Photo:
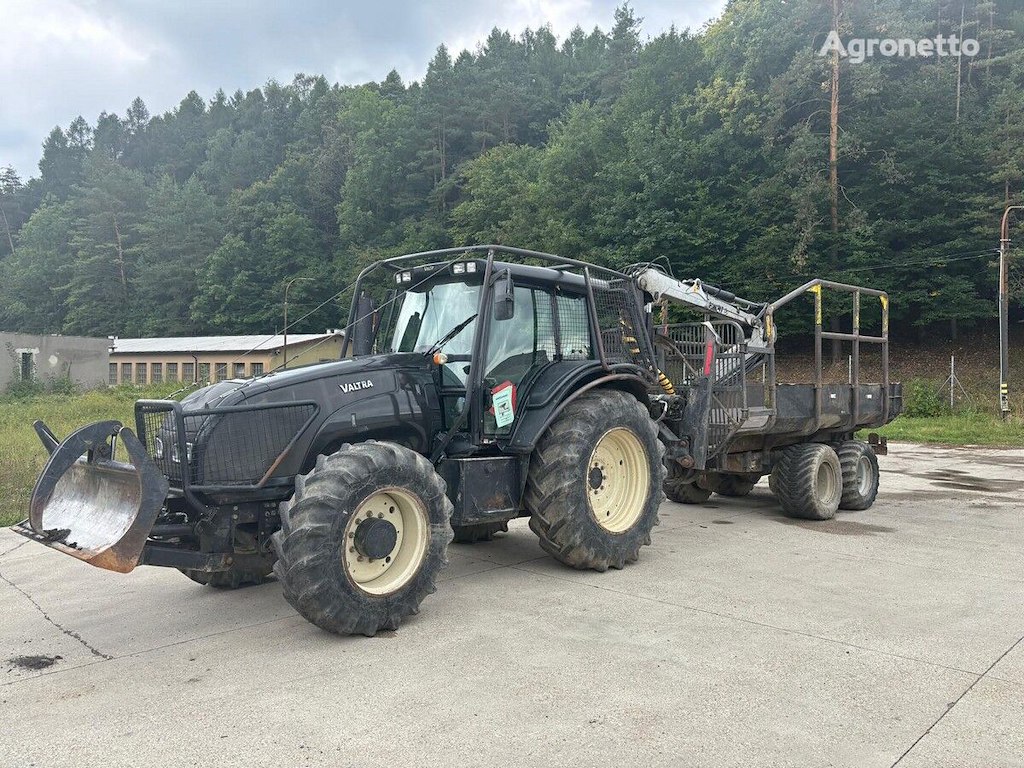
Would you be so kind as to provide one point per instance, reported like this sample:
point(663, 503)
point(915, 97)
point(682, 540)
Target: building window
point(222, 371)
point(188, 372)
point(27, 366)
point(126, 373)
point(172, 371)
point(156, 376)
point(204, 373)
point(112, 373)
point(239, 372)
point(255, 369)
point(140, 373)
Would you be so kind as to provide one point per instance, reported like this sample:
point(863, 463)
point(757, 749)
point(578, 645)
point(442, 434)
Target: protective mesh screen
point(221, 448)
point(623, 335)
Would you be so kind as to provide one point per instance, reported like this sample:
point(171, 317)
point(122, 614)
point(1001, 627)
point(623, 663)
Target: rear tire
point(595, 480)
point(860, 474)
point(809, 481)
point(471, 534)
point(734, 485)
point(402, 539)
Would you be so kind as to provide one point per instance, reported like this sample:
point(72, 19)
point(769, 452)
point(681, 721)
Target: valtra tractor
point(490, 383)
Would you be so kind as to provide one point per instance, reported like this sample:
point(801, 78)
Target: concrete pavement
point(892, 636)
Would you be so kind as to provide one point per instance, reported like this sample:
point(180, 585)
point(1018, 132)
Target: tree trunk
point(960, 63)
point(120, 258)
point(7, 230)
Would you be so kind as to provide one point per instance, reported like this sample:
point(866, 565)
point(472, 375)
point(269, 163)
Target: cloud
point(66, 58)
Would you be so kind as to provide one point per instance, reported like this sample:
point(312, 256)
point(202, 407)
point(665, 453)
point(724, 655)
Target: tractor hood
point(385, 397)
point(349, 376)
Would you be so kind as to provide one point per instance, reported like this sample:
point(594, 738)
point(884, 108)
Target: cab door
point(546, 327)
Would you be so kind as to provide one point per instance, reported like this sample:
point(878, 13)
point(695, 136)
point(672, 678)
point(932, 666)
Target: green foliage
point(958, 429)
point(923, 398)
point(709, 149)
point(23, 456)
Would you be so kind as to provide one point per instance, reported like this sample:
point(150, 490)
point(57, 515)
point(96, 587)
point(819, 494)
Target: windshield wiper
point(436, 347)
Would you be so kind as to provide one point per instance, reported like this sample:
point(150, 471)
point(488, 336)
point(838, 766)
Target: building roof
point(190, 344)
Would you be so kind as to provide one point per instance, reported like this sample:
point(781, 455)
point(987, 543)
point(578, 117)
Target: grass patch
point(956, 429)
point(23, 456)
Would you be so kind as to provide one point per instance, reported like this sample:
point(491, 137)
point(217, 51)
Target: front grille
point(219, 446)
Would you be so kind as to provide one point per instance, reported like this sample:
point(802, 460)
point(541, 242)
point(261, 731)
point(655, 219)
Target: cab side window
point(527, 339)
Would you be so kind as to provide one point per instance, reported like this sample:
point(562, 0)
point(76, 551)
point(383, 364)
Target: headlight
point(175, 456)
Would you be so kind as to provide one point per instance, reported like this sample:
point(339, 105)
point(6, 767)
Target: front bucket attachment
point(91, 507)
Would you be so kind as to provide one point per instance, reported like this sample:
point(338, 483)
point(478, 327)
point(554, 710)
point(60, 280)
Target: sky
point(64, 58)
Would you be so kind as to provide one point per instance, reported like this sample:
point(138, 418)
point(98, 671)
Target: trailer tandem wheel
point(860, 474)
point(808, 482)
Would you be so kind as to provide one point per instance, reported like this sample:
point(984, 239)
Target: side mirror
point(504, 297)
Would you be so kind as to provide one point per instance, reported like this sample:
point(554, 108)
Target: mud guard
point(89, 506)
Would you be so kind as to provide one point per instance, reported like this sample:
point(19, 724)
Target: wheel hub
point(619, 480)
point(375, 538)
point(386, 540)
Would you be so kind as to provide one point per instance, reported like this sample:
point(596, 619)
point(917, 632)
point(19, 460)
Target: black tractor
point(484, 384)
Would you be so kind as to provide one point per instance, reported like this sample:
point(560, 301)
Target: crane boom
point(697, 295)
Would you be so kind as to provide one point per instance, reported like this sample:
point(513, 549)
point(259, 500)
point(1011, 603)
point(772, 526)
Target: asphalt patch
point(33, 662)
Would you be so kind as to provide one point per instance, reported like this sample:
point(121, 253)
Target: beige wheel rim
point(618, 480)
point(388, 573)
point(865, 476)
point(826, 483)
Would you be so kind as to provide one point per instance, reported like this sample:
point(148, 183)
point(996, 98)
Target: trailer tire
point(324, 576)
point(809, 483)
point(860, 474)
point(471, 534)
point(595, 482)
point(735, 486)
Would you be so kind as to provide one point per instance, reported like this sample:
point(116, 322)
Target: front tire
point(735, 486)
point(363, 538)
point(860, 474)
point(686, 493)
point(471, 534)
point(595, 482)
point(251, 567)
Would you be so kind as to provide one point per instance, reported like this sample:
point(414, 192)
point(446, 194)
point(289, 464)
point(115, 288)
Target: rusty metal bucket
point(90, 506)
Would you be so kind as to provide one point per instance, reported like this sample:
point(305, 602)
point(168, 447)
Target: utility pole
point(833, 167)
point(1004, 312)
point(287, 286)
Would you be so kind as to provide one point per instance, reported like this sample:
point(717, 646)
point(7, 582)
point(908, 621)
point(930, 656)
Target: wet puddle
point(838, 526)
point(963, 481)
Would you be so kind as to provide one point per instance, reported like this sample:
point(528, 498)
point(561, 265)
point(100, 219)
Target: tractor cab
point(492, 331)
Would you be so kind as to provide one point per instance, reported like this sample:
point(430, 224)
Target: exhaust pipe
point(90, 506)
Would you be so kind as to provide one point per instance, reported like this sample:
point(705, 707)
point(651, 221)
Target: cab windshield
point(426, 317)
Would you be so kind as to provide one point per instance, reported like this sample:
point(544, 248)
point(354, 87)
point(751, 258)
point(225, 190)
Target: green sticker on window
point(501, 399)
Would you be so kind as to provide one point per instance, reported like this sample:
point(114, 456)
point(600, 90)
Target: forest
point(709, 149)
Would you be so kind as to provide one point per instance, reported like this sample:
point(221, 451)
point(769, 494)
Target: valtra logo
point(353, 386)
